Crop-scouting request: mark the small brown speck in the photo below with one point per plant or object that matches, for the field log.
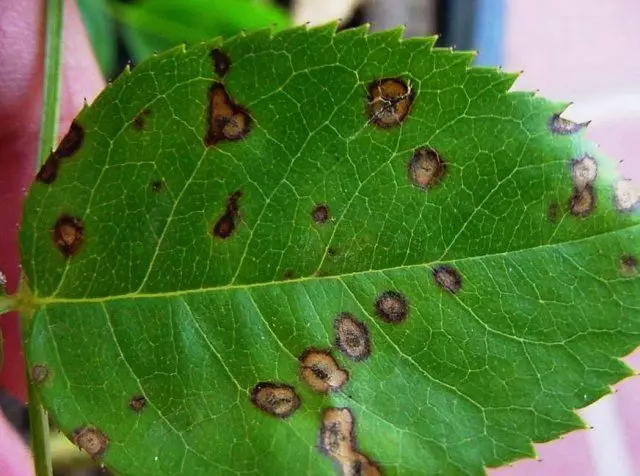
(320, 214)
(628, 265)
(39, 373)
(221, 62)
(140, 120)
(157, 186)
(137, 403)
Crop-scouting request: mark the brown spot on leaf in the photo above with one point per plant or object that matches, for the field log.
(352, 337)
(137, 403)
(226, 120)
(68, 235)
(157, 186)
(584, 171)
(332, 251)
(70, 144)
(562, 126)
(140, 120)
(448, 278)
(321, 372)
(389, 102)
(226, 224)
(626, 196)
(91, 440)
(39, 373)
(338, 441)
(320, 214)
(221, 62)
(629, 265)
(392, 307)
(337, 438)
(582, 202)
(553, 213)
(277, 399)
(288, 274)
(426, 168)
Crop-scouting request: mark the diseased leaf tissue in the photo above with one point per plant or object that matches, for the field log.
(309, 253)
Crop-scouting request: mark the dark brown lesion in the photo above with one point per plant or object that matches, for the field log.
(320, 214)
(628, 265)
(426, 168)
(137, 403)
(139, 122)
(392, 307)
(321, 372)
(227, 121)
(221, 62)
(352, 337)
(68, 147)
(68, 235)
(91, 440)
(157, 186)
(447, 278)
(389, 102)
(276, 399)
(226, 224)
(560, 125)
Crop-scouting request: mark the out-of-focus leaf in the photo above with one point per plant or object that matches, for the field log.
(102, 33)
(152, 25)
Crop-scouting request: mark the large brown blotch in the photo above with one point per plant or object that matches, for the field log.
(389, 102)
(352, 337)
(69, 146)
(226, 120)
(321, 372)
(276, 399)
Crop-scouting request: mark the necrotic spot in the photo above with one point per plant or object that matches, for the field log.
(447, 278)
(426, 168)
(226, 120)
(320, 214)
(582, 202)
(562, 126)
(553, 212)
(221, 62)
(137, 403)
(352, 337)
(389, 102)
(226, 224)
(276, 399)
(157, 185)
(584, 171)
(69, 145)
(321, 372)
(140, 120)
(337, 438)
(392, 307)
(361, 466)
(626, 196)
(628, 265)
(91, 440)
(39, 373)
(68, 235)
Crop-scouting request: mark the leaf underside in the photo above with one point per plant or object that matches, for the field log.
(178, 262)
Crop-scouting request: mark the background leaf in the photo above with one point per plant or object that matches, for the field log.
(183, 269)
(102, 32)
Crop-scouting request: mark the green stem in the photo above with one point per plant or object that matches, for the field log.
(51, 81)
(53, 12)
(7, 303)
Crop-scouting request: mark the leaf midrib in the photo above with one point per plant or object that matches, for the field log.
(44, 301)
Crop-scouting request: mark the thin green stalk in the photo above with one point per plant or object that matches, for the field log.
(7, 303)
(51, 80)
(53, 12)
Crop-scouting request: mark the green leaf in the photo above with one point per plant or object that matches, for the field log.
(213, 246)
(102, 32)
(152, 26)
